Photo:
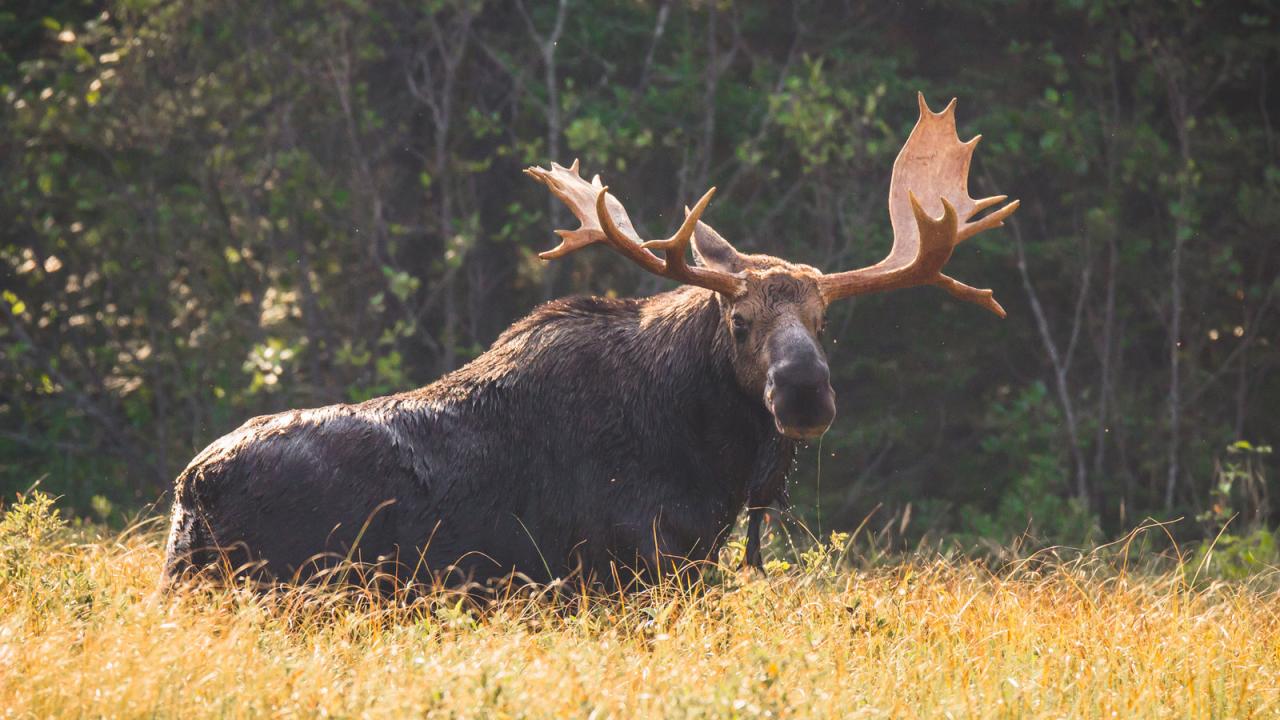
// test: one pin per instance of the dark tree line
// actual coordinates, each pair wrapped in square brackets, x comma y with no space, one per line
[216,210]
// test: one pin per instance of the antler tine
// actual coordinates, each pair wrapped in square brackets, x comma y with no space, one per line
[603,218]
[987,202]
[987,222]
[572,190]
[626,243]
[674,265]
[933,164]
[982,297]
[674,248]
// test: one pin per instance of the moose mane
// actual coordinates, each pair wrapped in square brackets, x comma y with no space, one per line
[667,343]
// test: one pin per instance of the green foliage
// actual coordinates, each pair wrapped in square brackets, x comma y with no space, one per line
[34,540]
[1035,506]
[1235,557]
[821,121]
[1241,489]
[220,211]
[1240,544]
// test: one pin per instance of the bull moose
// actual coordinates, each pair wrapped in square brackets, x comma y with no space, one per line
[613,438]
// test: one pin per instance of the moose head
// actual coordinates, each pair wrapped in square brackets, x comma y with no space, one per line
[774,310]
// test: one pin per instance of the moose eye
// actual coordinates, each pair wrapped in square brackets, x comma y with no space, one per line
[740,326]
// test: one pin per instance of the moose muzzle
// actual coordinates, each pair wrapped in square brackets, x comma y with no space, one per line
[798,387]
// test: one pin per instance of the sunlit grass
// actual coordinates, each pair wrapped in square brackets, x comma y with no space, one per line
[83,632]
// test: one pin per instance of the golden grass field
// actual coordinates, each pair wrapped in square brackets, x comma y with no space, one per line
[83,633]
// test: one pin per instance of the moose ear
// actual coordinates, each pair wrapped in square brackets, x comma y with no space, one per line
[712,251]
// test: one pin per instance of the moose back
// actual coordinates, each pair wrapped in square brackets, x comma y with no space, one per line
[605,439]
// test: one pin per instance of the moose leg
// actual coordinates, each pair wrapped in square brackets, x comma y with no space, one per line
[671,544]
[752,556]
[665,556]
[768,485]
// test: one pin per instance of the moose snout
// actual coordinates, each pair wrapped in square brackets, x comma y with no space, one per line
[800,397]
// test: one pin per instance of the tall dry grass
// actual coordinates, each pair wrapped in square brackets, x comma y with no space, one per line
[83,632]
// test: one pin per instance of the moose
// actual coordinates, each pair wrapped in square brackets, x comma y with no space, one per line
[612,440]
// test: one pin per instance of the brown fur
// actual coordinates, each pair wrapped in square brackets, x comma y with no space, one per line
[595,436]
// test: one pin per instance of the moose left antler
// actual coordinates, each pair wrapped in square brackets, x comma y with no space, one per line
[604,218]
[932,169]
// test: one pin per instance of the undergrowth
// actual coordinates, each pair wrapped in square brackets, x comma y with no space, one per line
[831,630]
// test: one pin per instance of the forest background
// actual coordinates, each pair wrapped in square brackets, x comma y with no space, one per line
[213,210]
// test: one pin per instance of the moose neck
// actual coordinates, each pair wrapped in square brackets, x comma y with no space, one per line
[664,361]
[686,350]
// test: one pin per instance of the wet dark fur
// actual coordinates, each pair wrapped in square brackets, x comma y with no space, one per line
[594,436]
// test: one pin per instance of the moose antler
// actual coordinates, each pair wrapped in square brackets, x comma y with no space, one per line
[933,167]
[604,218]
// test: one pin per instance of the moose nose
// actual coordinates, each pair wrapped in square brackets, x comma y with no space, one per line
[800,397]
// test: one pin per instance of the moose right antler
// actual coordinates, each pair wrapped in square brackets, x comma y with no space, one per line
[604,218]
[932,169]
